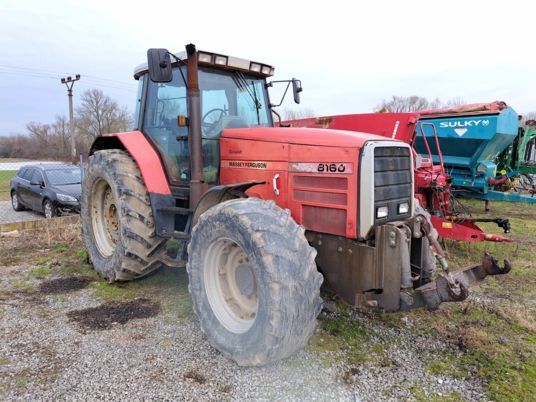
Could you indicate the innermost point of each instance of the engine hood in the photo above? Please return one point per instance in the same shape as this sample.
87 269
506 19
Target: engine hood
303 136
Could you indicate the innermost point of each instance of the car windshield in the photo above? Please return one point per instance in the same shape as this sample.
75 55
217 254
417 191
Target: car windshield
64 176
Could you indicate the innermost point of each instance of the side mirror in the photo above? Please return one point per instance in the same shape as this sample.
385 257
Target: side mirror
159 64
35 183
296 89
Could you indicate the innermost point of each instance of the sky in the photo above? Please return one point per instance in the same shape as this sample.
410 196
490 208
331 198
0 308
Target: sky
349 54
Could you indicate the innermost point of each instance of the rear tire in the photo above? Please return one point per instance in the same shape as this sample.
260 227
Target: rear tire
15 202
117 220
253 280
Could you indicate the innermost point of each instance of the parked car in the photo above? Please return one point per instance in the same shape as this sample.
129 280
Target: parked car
52 189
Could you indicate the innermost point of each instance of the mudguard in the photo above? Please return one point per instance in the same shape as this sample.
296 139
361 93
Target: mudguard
152 172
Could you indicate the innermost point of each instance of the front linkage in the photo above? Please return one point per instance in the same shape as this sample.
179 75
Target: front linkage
453 286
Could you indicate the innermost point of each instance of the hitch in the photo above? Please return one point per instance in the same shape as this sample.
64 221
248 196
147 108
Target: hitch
452 286
503 223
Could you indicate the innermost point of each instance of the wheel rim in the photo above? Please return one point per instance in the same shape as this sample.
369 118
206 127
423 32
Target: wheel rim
14 201
103 217
231 285
48 210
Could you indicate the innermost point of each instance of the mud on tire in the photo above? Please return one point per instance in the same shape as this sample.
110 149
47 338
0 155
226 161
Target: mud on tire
113 191
285 279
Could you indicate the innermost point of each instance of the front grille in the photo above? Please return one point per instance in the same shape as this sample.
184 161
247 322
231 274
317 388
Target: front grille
392 181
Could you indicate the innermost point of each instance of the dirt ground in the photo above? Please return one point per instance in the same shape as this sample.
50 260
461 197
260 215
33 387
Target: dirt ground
66 334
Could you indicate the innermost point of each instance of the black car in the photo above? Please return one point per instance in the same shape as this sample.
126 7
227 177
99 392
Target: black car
53 189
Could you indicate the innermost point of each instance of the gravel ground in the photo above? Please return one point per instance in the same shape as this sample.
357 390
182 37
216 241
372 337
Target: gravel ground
8 214
45 355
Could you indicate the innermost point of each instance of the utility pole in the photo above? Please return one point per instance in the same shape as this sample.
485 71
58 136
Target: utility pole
69 82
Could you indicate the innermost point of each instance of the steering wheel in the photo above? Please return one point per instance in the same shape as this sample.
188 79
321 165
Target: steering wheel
209 125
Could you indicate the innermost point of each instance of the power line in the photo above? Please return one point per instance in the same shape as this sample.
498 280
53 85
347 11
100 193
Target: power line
36 73
92 81
41 71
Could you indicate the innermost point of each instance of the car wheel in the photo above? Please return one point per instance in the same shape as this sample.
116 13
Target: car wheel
15 203
49 209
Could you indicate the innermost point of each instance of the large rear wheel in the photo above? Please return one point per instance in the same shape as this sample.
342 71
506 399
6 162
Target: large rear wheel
253 281
117 220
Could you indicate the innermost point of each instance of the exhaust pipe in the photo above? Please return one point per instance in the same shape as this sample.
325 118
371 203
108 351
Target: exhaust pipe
195 141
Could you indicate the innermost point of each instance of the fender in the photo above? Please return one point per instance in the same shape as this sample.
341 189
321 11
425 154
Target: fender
141 150
152 172
221 193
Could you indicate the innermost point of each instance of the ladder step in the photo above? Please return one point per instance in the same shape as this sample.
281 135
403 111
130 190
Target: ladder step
176 210
180 235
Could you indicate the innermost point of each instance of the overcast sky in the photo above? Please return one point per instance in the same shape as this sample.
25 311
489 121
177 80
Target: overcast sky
349 55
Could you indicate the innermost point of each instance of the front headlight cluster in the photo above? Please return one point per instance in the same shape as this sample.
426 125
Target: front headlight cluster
383 212
66 198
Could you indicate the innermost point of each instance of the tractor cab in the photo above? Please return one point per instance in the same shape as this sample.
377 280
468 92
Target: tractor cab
232 93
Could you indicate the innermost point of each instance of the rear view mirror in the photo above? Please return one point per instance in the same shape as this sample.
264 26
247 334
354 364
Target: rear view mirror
159 64
296 89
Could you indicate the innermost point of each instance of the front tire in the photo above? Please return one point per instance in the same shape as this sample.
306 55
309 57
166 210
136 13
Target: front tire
253 280
49 209
117 220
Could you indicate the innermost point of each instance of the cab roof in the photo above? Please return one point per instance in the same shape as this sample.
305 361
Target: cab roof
219 61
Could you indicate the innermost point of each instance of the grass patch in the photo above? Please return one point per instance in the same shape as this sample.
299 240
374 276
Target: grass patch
40 272
5 178
340 332
421 396
168 285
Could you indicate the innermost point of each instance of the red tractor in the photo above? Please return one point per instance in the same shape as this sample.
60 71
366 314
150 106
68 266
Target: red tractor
432 183
259 211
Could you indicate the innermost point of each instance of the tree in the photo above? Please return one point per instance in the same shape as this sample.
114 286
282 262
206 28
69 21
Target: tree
399 104
295 114
456 101
414 103
99 114
40 132
60 130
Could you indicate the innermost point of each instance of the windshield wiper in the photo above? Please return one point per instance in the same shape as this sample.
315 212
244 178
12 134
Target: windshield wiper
242 84
257 103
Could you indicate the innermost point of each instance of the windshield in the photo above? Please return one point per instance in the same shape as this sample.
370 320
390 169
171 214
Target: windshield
58 177
229 99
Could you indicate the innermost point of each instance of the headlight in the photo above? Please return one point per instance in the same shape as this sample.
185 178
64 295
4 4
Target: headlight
65 197
403 208
382 212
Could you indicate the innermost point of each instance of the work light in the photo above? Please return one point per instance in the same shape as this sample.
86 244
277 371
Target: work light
204 57
220 60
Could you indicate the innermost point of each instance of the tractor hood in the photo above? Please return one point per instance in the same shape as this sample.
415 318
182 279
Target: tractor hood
303 136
